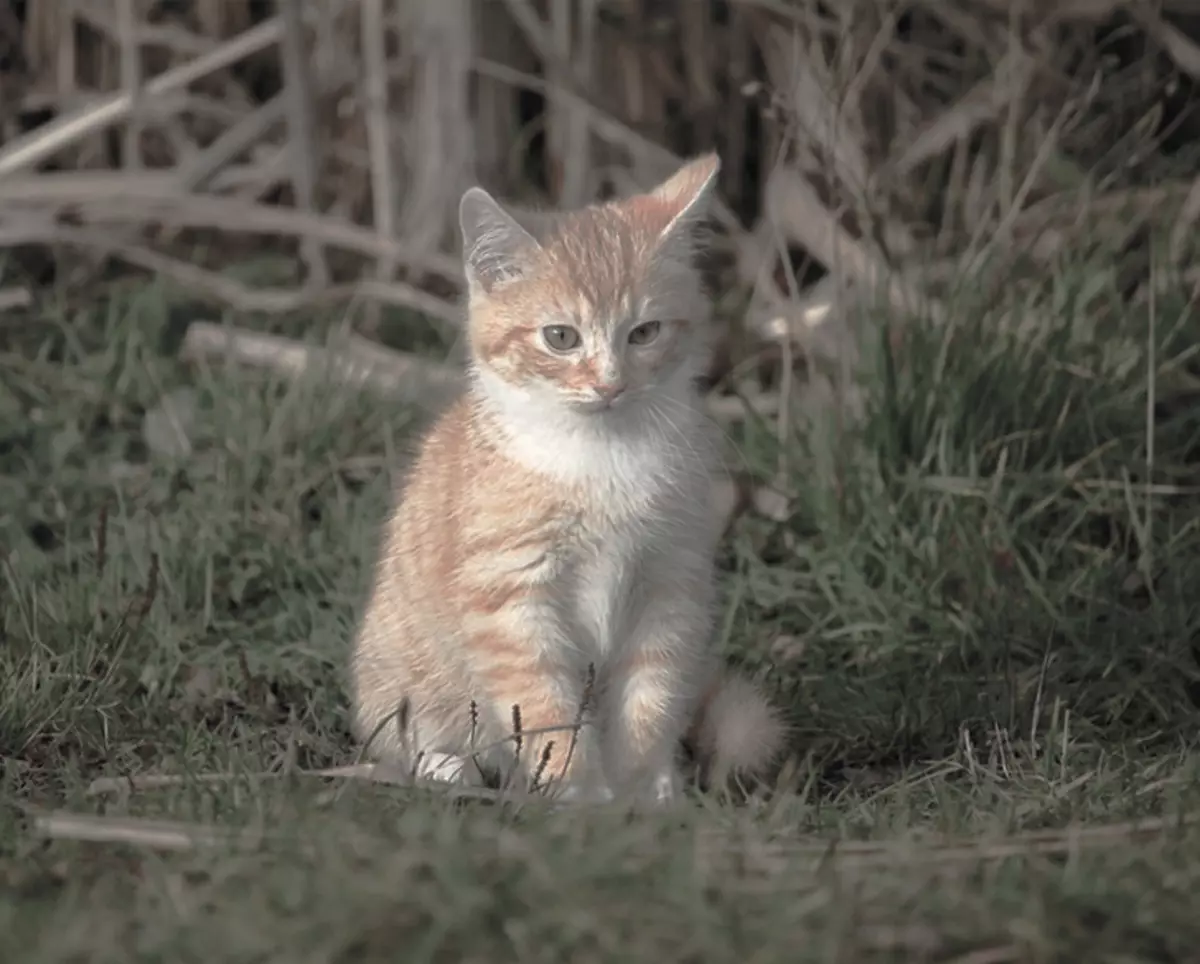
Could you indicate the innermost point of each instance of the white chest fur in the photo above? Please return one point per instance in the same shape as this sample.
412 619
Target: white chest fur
642 473
626 461
599 599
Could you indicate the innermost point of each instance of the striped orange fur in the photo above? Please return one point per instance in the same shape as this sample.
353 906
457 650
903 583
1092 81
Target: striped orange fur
558 515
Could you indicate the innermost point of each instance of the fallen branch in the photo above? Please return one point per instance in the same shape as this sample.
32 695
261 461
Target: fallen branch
155 834
358 362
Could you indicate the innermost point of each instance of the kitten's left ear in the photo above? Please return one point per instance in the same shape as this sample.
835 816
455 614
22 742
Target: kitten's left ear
495 247
682 197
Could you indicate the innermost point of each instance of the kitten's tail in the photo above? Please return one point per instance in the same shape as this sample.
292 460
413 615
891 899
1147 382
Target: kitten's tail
736 730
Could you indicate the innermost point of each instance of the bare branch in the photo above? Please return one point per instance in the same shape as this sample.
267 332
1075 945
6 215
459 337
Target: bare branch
43 142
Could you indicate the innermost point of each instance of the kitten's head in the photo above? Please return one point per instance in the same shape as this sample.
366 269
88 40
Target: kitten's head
602 309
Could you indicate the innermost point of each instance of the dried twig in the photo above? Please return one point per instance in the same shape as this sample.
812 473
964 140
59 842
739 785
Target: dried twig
44 141
196 173
416 379
156 834
15 298
225 289
127 201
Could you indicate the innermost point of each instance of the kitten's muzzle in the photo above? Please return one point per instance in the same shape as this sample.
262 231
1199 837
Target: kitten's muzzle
605 396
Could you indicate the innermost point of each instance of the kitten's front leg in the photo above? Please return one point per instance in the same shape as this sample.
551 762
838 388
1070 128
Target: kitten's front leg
653 687
522 658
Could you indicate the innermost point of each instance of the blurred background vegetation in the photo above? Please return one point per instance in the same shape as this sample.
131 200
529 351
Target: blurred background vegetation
917 144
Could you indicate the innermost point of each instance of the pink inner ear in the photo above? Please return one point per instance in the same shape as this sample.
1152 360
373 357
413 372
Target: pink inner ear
652 213
682 187
674 196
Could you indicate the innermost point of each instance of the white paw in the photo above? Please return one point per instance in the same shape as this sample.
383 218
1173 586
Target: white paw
666 787
577 793
444 767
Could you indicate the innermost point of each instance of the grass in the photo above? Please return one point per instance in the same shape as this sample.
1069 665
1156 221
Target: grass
983 624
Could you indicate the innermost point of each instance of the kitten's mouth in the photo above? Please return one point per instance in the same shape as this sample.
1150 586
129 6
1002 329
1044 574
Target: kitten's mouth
598 406
594 407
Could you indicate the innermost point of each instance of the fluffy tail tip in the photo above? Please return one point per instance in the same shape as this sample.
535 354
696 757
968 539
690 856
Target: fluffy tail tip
739 731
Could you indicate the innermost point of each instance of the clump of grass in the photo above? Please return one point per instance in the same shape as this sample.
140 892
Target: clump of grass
997 541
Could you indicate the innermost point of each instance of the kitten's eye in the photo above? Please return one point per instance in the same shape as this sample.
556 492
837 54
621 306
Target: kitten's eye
645 333
560 337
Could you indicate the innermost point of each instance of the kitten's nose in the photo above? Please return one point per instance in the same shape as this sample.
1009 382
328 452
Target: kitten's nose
608 392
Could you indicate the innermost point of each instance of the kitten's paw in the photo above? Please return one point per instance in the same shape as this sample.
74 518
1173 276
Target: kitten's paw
444 767
579 793
666 787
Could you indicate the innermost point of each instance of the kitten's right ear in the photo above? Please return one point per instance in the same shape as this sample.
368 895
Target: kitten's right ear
495 247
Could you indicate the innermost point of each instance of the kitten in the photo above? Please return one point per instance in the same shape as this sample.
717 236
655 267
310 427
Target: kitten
558 516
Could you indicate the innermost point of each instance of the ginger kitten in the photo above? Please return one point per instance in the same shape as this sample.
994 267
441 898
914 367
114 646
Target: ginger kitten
558 517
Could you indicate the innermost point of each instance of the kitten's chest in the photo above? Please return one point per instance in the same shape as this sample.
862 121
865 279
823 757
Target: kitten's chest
628 497
618 539
601 599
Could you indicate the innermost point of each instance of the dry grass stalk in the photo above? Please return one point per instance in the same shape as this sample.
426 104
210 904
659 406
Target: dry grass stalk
438 142
302 130
379 141
131 80
569 133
